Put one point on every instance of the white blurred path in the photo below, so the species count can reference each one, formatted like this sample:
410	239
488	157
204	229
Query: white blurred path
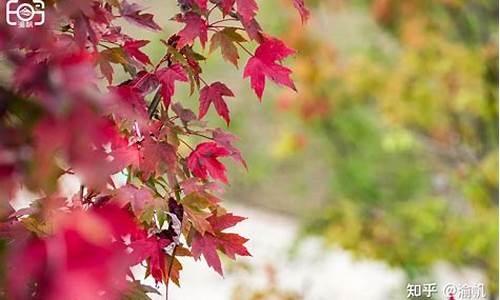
312	272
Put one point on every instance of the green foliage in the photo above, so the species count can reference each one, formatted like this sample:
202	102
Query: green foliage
412	127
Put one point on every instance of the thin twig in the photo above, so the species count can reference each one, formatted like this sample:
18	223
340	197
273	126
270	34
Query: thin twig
154	104
82	187
185	143
169	271
244	48
220	21
210	11
202	80
178	198
222	26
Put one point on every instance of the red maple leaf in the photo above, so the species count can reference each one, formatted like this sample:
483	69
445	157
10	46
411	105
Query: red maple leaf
247	9
132	13
145	82
149	156
263	64
130	103
226	139
196	27
203	161
167	77
155	157
213	94
225	221
230	244
152	249
253	30
132	49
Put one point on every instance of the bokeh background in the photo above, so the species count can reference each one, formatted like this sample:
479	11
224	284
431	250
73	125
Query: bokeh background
381	171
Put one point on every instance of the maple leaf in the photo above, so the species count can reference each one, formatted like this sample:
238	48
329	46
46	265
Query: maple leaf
225	221
195	204
155	157
198	219
253	30
184	114
132	49
94	263
132	13
152	249
137	198
131	102
167	77
225	40
193	184
213	94
145	82
263	64
226	6
226	140
176	267
149	156
123	154
246	9
203	161
303	11
230	244
196	27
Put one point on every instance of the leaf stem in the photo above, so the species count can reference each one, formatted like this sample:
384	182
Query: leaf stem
169	271
222	26
154	104
222	20
244	48
202	80
186	144
211	9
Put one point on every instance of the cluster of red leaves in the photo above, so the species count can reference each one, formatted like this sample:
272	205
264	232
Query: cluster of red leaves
58	118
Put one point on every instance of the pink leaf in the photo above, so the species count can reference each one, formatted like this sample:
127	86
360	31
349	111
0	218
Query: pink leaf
167	77
226	140
213	94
